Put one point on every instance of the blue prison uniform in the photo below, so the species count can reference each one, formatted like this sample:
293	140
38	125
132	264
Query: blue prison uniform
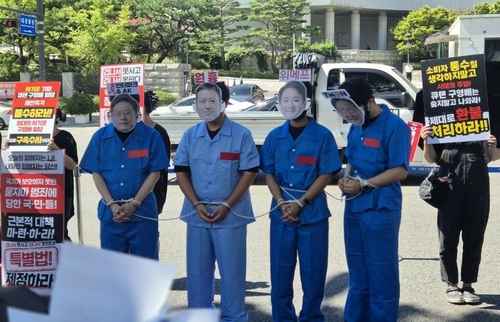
372	219
124	167
216	167
295	165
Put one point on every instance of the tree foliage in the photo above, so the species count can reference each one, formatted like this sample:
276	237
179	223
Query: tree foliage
485	8
25	46
9	66
326	48
420	24
224	24
80	104
279	21
98	37
163	25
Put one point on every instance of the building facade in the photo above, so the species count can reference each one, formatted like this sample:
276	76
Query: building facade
356	24
477	34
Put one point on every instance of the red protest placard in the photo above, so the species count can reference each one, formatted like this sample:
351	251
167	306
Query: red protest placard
118	74
32	207
415	129
33	108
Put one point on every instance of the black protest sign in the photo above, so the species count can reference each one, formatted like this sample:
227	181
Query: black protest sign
455	99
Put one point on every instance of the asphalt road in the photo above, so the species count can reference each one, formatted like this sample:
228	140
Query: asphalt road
422	292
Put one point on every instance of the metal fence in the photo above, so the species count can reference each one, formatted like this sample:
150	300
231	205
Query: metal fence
87	83
53	77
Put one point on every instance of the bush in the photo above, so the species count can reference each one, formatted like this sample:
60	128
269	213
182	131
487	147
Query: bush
326	48
262	56
165	98
63	100
96	101
80	104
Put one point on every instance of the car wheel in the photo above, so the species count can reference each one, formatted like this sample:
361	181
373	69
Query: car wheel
2	124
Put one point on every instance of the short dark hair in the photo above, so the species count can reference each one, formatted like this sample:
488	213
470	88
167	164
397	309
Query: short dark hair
359	90
150	101
210	87
224	92
125	98
298	86
60	116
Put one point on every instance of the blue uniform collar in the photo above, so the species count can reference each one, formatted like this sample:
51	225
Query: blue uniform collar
386	113
226	129
308	133
139	132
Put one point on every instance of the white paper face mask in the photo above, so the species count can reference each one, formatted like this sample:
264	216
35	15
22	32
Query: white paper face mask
291	102
124	119
208	105
347	109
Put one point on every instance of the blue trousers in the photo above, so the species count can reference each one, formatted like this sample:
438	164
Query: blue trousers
228	247
310	242
134	237
371	242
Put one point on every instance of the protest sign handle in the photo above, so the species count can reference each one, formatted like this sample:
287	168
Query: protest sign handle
77	175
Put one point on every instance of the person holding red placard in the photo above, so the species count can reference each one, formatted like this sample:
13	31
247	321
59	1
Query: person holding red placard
62	139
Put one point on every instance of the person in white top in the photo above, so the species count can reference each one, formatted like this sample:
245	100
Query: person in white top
408	70
187	89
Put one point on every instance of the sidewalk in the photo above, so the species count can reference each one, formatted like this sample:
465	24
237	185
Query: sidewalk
422	291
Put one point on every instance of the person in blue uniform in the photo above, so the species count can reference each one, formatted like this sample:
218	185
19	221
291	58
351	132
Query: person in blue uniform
125	159
216	162
378	152
299	159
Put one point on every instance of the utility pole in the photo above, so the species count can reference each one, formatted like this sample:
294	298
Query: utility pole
41	39
408	47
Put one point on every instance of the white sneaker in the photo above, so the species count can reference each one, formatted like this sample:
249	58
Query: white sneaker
454	295
470	296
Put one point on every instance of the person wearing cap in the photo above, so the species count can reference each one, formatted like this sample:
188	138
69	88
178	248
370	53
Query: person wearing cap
125	159
299	159
378	152
216	162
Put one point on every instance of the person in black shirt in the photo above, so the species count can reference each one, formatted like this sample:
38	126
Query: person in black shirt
160	188
62	139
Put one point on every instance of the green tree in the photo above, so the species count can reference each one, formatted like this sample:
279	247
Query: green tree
224	22
420	24
485	8
9	66
163	26
326	48
58	25
24	47
97	37
280	20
